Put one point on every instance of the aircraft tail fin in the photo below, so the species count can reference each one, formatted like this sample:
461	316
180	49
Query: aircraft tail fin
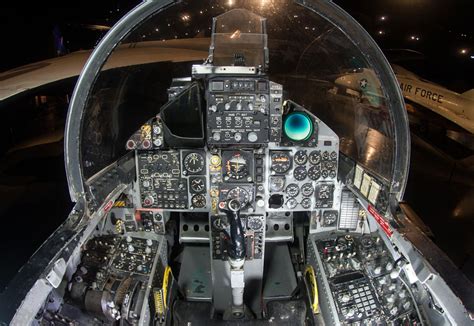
469	94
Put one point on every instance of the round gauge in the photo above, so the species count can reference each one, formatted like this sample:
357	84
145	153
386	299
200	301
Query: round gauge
291	203
292	190
332	174
330	165
315	157
197	185
306	203
325	173
307	189
300	173
301	157
277	183
281	162
329	218
237	167
313	173
333	155
240	194
198	201
194	163
325	155
254	223
324	191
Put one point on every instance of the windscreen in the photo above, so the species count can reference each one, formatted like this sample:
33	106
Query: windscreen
319	65
239	39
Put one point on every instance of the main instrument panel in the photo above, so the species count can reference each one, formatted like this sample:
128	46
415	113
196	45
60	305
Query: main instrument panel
257	151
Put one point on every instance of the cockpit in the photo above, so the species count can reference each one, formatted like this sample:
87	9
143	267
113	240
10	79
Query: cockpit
228	172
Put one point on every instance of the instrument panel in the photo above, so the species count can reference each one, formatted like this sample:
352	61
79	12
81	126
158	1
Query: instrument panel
270	155
243	111
302	179
173	180
364	282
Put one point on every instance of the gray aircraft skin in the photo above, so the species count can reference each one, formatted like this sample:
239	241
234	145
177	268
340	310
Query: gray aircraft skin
241	187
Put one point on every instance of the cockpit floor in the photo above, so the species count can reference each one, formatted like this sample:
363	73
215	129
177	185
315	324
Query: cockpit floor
290	312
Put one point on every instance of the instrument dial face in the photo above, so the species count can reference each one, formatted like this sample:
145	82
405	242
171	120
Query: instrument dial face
197	185
325	173
325	192
254	223
313	173
240	194
325	155
315	157
301	157
291	203
292	190
307	189
281	162
333	155
329	218
306	203
237	167
277	183
198	201
330	165
194	163
300	173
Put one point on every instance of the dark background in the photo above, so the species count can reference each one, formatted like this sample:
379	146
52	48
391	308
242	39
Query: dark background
437	30
443	27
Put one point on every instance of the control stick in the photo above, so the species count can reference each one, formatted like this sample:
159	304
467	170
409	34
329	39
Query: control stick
237	237
236	250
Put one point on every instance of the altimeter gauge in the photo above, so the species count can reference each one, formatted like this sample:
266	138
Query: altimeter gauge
193	163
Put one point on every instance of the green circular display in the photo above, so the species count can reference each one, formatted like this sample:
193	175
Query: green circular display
298	126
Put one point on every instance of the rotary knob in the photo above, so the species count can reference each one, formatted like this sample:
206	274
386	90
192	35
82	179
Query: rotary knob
350	313
238	137
216	136
252	137
391	298
394	311
157	142
148	201
345	298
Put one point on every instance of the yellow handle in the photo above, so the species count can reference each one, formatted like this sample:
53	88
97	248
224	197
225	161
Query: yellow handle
166	276
309	271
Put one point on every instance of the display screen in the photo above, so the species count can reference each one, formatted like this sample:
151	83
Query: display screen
298	126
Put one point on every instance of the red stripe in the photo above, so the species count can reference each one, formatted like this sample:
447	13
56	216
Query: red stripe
383	224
